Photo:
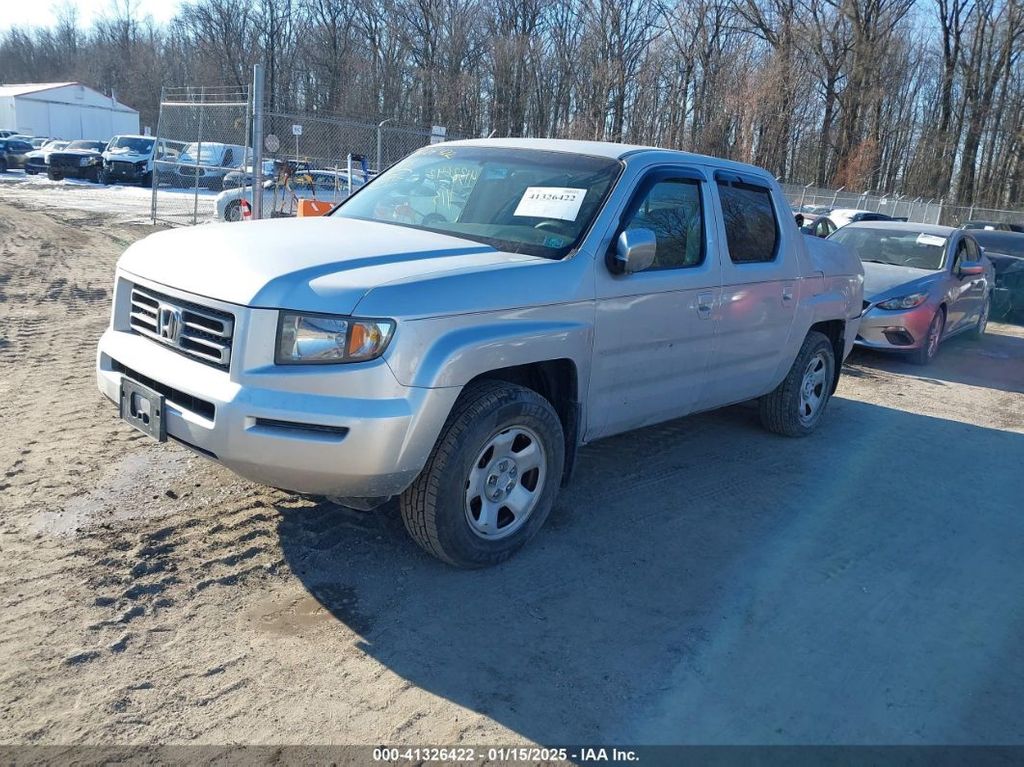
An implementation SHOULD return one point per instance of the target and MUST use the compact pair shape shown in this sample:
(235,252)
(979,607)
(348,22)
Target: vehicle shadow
(994,362)
(703,581)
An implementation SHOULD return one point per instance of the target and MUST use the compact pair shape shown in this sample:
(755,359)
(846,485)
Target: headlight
(325,338)
(84,160)
(904,302)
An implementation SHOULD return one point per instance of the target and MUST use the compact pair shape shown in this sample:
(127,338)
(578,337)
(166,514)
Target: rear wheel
(491,479)
(797,404)
(233,211)
(932,339)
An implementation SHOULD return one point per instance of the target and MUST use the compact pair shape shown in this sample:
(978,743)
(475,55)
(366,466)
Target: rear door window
(751,227)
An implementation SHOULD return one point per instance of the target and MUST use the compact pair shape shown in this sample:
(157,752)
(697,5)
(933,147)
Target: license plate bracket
(143,408)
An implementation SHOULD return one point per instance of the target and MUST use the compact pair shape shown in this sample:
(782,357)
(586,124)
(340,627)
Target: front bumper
(124,171)
(898,331)
(369,436)
(74,171)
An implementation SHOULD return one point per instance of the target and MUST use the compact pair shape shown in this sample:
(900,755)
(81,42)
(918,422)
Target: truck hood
(882,278)
(316,264)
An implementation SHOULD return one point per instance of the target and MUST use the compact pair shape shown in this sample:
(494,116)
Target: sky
(44,13)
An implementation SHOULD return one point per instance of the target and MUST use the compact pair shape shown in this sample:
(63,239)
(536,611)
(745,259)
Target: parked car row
(125,158)
(1002,244)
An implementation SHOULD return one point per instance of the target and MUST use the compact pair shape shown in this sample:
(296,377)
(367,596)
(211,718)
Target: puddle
(132,487)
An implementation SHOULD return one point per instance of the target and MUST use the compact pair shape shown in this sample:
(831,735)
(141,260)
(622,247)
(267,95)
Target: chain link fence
(203,141)
(205,166)
(915,209)
(321,159)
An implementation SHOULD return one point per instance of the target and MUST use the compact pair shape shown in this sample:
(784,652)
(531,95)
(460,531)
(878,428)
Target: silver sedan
(922,284)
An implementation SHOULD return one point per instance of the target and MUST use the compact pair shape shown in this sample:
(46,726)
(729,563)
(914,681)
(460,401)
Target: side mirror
(634,251)
(971,269)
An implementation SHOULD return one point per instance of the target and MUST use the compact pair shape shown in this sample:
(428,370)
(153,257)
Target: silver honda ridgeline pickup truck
(454,331)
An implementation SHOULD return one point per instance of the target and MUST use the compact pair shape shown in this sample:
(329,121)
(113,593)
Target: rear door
(760,289)
(655,330)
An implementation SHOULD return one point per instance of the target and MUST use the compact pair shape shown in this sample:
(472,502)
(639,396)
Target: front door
(655,329)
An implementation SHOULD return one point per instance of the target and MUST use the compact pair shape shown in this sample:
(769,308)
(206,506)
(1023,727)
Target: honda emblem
(169,323)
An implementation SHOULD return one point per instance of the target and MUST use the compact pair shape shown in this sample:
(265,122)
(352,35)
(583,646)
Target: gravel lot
(700,582)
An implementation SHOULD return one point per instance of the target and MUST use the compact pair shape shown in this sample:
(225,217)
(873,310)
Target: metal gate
(202,148)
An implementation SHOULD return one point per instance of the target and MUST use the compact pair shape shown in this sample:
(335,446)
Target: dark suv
(80,159)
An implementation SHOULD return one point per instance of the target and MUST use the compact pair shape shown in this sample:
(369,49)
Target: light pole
(380,144)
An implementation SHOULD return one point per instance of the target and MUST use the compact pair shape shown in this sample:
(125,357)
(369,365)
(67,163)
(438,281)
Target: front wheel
(491,479)
(796,405)
(930,344)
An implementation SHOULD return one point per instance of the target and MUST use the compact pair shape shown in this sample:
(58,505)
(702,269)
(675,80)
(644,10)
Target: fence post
(156,152)
(380,142)
(199,155)
(257,142)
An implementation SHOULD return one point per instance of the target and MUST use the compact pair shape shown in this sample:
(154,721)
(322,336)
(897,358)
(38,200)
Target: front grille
(181,399)
(122,167)
(196,331)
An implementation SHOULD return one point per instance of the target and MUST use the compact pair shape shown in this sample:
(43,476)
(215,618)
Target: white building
(64,110)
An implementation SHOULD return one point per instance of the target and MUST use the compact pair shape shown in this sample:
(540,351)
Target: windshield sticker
(931,239)
(551,202)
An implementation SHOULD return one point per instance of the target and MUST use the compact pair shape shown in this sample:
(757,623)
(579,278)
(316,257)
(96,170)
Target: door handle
(787,293)
(704,304)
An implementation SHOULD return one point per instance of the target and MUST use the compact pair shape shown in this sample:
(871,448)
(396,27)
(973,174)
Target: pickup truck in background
(456,348)
(135,158)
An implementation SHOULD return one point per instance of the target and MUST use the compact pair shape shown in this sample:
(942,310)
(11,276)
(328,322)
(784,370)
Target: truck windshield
(899,247)
(132,144)
(519,200)
(94,146)
(209,154)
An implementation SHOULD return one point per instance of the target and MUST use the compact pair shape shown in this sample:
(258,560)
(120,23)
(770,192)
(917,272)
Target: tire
(147,180)
(978,331)
(490,433)
(796,406)
(233,211)
(54,176)
(3,166)
(930,347)
(103,177)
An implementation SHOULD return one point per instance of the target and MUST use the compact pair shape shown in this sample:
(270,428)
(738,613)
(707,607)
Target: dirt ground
(702,581)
